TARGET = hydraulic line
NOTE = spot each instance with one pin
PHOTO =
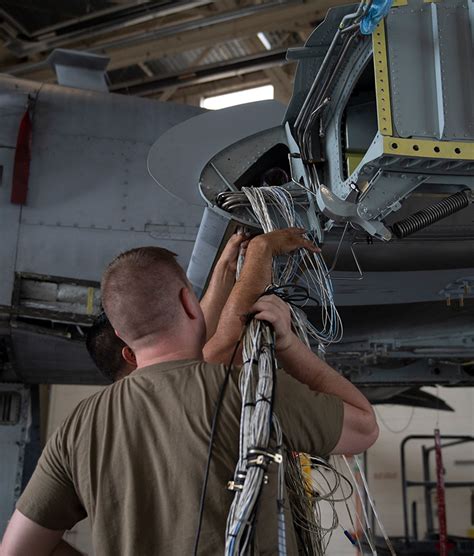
(430, 215)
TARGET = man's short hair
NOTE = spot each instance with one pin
(105, 348)
(140, 293)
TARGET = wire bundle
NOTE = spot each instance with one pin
(274, 208)
(257, 381)
(307, 493)
(327, 485)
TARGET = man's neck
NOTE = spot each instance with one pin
(152, 356)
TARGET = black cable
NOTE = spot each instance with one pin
(211, 442)
(294, 294)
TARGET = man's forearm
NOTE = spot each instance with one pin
(306, 367)
(220, 286)
(359, 427)
(255, 276)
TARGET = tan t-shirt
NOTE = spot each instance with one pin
(132, 458)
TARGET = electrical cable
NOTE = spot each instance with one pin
(274, 206)
(308, 493)
(368, 533)
(396, 431)
(372, 505)
(257, 389)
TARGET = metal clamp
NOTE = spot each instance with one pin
(263, 457)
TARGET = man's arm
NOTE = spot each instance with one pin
(24, 537)
(221, 283)
(256, 275)
(359, 429)
(49, 504)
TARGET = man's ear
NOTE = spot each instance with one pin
(189, 302)
(129, 356)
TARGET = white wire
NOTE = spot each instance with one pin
(256, 385)
(368, 536)
(315, 276)
(274, 208)
(372, 505)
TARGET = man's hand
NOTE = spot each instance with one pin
(255, 276)
(230, 253)
(282, 242)
(274, 310)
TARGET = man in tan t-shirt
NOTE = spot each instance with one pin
(132, 457)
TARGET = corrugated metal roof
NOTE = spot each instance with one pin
(222, 52)
(129, 73)
(34, 15)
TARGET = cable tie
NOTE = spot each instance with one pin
(263, 399)
(252, 360)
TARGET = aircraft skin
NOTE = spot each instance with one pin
(89, 198)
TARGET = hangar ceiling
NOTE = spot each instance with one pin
(168, 49)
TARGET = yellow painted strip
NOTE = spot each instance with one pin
(398, 3)
(452, 150)
(353, 160)
(90, 301)
(382, 83)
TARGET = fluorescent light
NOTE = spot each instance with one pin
(264, 40)
(240, 97)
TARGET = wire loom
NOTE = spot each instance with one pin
(261, 439)
(257, 420)
(258, 423)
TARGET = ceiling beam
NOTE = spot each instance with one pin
(281, 81)
(203, 74)
(292, 15)
(130, 19)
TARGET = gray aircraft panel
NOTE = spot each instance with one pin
(83, 253)
(107, 186)
(78, 112)
(13, 437)
(89, 191)
(381, 288)
(197, 140)
(12, 108)
(9, 217)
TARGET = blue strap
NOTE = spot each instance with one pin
(377, 11)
